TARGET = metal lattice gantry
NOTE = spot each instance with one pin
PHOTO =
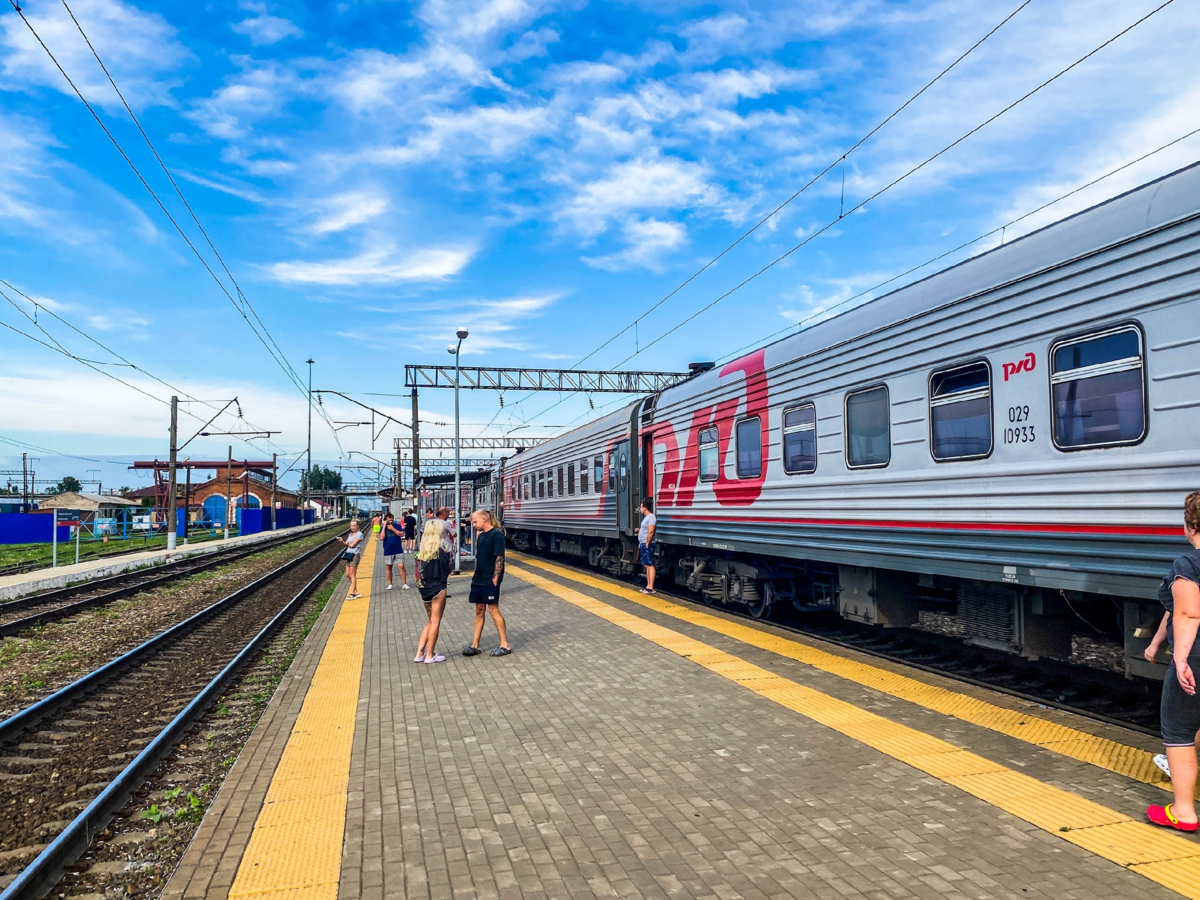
(562, 380)
(476, 443)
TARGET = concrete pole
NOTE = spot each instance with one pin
(308, 464)
(416, 448)
(228, 489)
(172, 523)
(274, 480)
(457, 471)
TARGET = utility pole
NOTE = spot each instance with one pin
(274, 481)
(171, 513)
(396, 495)
(457, 351)
(228, 490)
(308, 465)
(416, 448)
(24, 482)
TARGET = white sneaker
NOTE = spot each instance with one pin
(1160, 760)
(406, 587)
(389, 587)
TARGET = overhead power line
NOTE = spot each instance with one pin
(813, 180)
(917, 168)
(268, 340)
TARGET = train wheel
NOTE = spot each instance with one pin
(760, 607)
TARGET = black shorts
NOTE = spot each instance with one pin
(485, 594)
(1179, 711)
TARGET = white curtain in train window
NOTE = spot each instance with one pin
(868, 428)
(1099, 390)
(960, 412)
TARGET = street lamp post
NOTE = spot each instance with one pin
(457, 352)
(308, 464)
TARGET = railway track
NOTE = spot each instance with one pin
(69, 762)
(1094, 694)
(66, 551)
(50, 606)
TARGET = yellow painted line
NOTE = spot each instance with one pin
(1114, 756)
(1160, 856)
(296, 846)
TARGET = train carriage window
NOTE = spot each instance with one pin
(612, 471)
(1098, 387)
(868, 428)
(800, 440)
(570, 479)
(749, 448)
(549, 482)
(561, 492)
(583, 476)
(541, 486)
(598, 473)
(526, 487)
(710, 461)
(960, 412)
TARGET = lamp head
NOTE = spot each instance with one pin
(462, 334)
(452, 350)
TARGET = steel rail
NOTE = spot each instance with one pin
(41, 875)
(210, 561)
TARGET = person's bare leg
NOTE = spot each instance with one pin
(438, 606)
(1182, 761)
(479, 609)
(494, 609)
(388, 569)
(423, 642)
(352, 576)
(649, 578)
(403, 575)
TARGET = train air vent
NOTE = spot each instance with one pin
(988, 616)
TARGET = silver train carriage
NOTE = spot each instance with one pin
(1014, 434)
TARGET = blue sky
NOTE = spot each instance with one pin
(376, 173)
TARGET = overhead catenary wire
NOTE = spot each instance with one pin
(860, 205)
(999, 229)
(268, 342)
(840, 160)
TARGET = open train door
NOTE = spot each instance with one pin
(623, 510)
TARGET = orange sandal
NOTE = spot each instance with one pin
(1164, 818)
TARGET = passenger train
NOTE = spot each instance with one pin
(1014, 434)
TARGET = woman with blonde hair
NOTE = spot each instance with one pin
(1180, 707)
(433, 571)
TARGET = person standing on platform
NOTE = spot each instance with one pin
(351, 557)
(393, 550)
(1180, 707)
(485, 582)
(375, 523)
(646, 543)
(410, 531)
(433, 571)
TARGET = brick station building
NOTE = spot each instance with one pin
(246, 483)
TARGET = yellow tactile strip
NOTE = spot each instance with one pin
(1089, 748)
(1159, 855)
(296, 846)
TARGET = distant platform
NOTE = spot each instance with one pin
(12, 586)
(636, 746)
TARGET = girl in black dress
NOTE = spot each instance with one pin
(433, 571)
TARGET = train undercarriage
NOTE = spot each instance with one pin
(1029, 622)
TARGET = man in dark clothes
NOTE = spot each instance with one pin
(485, 582)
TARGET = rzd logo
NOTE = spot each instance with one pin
(1028, 364)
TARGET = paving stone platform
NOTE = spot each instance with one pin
(593, 762)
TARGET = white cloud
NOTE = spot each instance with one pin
(649, 241)
(259, 91)
(380, 266)
(264, 29)
(349, 209)
(139, 49)
(650, 182)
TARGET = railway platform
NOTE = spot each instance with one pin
(20, 584)
(638, 746)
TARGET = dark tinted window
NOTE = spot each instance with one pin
(800, 440)
(612, 471)
(560, 481)
(710, 463)
(541, 484)
(749, 448)
(598, 474)
(1099, 391)
(960, 412)
(868, 428)
(570, 479)
(583, 477)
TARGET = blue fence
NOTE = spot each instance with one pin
(31, 528)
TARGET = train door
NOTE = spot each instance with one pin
(648, 481)
(622, 454)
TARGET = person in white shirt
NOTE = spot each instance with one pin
(646, 543)
(351, 556)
